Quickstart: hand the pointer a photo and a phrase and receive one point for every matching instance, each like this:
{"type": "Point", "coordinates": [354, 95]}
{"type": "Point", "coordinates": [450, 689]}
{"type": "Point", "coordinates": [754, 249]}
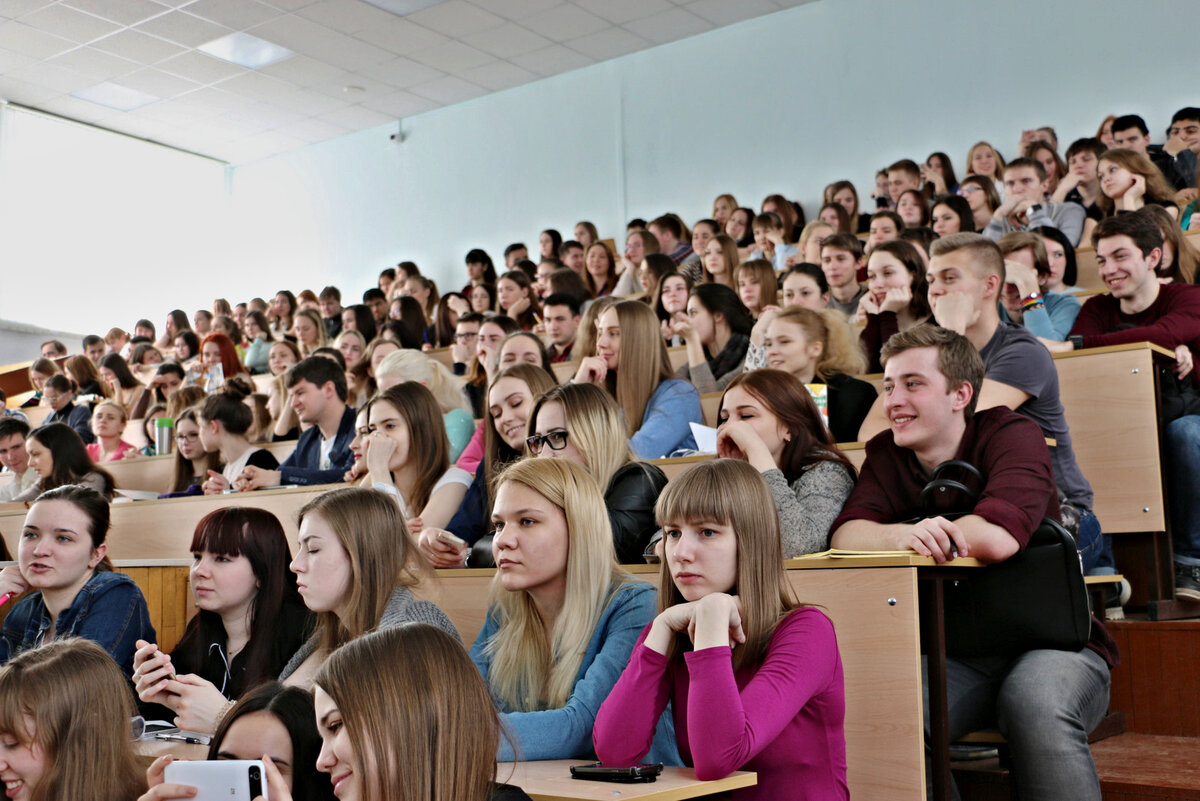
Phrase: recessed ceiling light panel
{"type": "Point", "coordinates": [246, 50]}
{"type": "Point", "coordinates": [112, 95]}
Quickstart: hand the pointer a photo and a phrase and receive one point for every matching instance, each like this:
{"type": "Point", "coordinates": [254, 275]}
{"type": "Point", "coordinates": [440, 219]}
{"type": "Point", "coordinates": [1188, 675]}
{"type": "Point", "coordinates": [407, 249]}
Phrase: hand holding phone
{"type": "Point", "coordinates": [221, 780]}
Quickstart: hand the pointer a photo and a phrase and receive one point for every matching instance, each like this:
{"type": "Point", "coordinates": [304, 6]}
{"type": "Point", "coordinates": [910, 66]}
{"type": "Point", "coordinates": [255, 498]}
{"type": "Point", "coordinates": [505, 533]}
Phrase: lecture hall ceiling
{"type": "Point", "coordinates": [145, 64]}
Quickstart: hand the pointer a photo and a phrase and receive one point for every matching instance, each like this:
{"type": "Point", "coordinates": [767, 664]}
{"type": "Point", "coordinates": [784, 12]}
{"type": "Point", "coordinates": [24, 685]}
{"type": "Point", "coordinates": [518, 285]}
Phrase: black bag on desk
{"type": "Point", "coordinates": [1034, 599]}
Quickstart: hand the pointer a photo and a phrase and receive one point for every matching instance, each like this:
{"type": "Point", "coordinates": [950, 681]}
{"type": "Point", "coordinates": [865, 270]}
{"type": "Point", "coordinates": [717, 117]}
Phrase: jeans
{"type": "Point", "coordinates": [1183, 483]}
{"type": "Point", "coordinates": [1044, 703]}
{"type": "Point", "coordinates": [1095, 546]}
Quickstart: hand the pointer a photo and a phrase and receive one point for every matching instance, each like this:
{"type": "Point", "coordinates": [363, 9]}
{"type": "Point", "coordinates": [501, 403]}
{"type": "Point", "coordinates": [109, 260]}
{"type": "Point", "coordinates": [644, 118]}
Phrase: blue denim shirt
{"type": "Point", "coordinates": [110, 611]}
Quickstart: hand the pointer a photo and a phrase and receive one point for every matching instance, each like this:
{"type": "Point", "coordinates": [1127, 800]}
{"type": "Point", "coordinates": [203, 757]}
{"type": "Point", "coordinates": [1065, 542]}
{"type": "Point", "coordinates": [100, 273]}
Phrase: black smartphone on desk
{"type": "Point", "coordinates": [597, 772]}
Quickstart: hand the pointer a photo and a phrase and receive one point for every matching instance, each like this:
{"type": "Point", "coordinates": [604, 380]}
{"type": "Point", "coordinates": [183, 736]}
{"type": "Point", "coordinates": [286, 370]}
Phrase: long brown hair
{"type": "Point", "coordinates": [428, 446]}
{"type": "Point", "coordinates": [183, 469]}
{"type": "Point", "coordinates": [790, 401]}
{"type": "Point", "coordinates": [83, 372]}
{"type": "Point", "coordinates": [642, 363]}
{"type": "Point", "coordinates": [496, 453]}
{"type": "Point", "coordinates": [424, 723]}
{"type": "Point", "coordinates": [1157, 188]}
{"type": "Point", "coordinates": [79, 704]}
{"type": "Point", "coordinates": [732, 493]}
{"type": "Point", "coordinates": [1187, 258]}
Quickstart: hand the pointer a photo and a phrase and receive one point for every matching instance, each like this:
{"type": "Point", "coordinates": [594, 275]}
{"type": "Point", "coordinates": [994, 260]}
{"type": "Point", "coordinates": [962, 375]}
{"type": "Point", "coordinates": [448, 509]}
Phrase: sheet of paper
{"type": "Point", "coordinates": [706, 438]}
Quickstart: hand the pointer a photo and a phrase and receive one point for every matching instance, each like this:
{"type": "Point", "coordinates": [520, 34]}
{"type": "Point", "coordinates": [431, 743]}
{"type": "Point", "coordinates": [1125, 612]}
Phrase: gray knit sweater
{"type": "Point", "coordinates": [401, 608]}
{"type": "Point", "coordinates": [809, 506]}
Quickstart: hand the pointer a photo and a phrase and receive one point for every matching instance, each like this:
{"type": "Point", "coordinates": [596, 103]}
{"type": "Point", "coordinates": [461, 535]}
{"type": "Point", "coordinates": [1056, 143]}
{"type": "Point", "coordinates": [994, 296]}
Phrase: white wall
{"type": "Point", "coordinates": [782, 103]}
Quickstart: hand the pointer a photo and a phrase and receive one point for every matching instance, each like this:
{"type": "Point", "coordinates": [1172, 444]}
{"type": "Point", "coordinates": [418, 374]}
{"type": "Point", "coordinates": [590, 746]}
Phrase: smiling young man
{"type": "Point", "coordinates": [1137, 308]}
{"type": "Point", "coordinates": [1044, 701]}
{"type": "Point", "coordinates": [14, 457]}
{"type": "Point", "coordinates": [317, 393]}
{"type": "Point", "coordinates": [1025, 206]}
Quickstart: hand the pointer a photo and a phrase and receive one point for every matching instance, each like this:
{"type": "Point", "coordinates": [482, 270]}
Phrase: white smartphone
{"type": "Point", "coordinates": [222, 779]}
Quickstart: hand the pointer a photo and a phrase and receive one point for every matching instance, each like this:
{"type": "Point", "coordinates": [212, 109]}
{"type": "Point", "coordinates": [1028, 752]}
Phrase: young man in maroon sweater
{"type": "Point", "coordinates": [1138, 308]}
{"type": "Point", "coordinates": [1044, 701]}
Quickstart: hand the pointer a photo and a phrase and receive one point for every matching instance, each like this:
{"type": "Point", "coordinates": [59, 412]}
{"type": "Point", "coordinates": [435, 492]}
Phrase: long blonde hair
{"type": "Point", "coordinates": [642, 363]}
{"type": "Point", "coordinates": [532, 668]}
{"type": "Point", "coordinates": [841, 353]}
{"type": "Point", "coordinates": [594, 424]}
{"type": "Point", "coordinates": [732, 493]}
{"type": "Point", "coordinates": [413, 365]}
{"type": "Point", "coordinates": [80, 706]}
{"type": "Point", "coordinates": [425, 715]}
{"type": "Point", "coordinates": [371, 530]}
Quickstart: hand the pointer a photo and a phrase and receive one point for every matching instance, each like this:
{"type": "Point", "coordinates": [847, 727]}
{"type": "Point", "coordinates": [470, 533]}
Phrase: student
{"type": "Point", "coordinates": [14, 458]}
{"type": "Point", "coordinates": [202, 322]}
{"type": "Point", "coordinates": [631, 363]}
{"type": "Point", "coordinates": [358, 317]}
{"type": "Point", "coordinates": [639, 243]}
{"type": "Point", "coordinates": [817, 346]}
{"type": "Point", "coordinates": [651, 270]}
{"type": "Point", "coordinates": [82, 371]}
{"type": "Point", "coordinates": [937, 176]}
{"type": "Point", "coordinates": [407, 365]}
{"type": "Point", "coordinates": [1045, 701]}
{"type": "Point", "coordinates": [1180, 258]}
{"type": "Point", "coordinates": [223, 420]}
{"type": "Point", "coordinates": [670, 299]}
{"type": "Point", "coordinates": [768, 419]}
{"type": "Point", "coordinates": [716, 330]}
{"type": "Point", "coordinates": [776, 704]}
{"type": "Point", "coordinates": [271, 719]}
{"type": "Point", "coordinates": [1025, 205]}
{"type": "Point", "coordinates": [757, 285]}
{"type": "Point", "coordinates": [790, 213]}
{"type": "Point", "coordinates": [1081, 184]}
{"type": "Point", "coordinates": [257, 331]}
{"type": "Point", "coordinates": [845, 195]}
{"type": "Point", "coordinates": [75, 593]}
{"type": "Point", "coordinates": [177, 322]}
{"type": "Point", "coordinates": [720, 261]}
{"type": "Point", "coordinates": [59, 457]}
{"type": "Point", "coordinates": [523, 346]}
{"type": "Point", "coordinates": [52, 748]}
{"type": "Point", "coordinates": [505, 425]}
{"type": "Point", "coordinates": [1060, 256]}
{"type": "Point", "coordinates": [283, 355]}
{"type": "Point", "coordinates": [407, 455]}
{"type": "Point", "coordinates": [355, 569]}
{"type": "Point", "coordinates": [517, 298]}
{"type": "Point", "coordinates": [901, 177]}
{"type": "Point", "coordinates": [480, 270]}
{"type": "Point", "coordinates": [148, 427]}
{"type": "Point", "coordinates": [250, 621]}
{"type": "Point", "coordinates": [581, 423]}
{"type": "Point", "coordinates": [492, 331]}
{"type": "Point", "coordinates": [331, 311]}
{"type": "Point", "coordinates": [1045, 154]}
{"type": "Point", "coordinates": [168, 378]}
{"type": "Point", "coordinates": [951, 215]}
{"type": "Point", "coordinates": [192, 464]}
{"type": "Point", "coordinates": [1048, 315]}
{"type": "Point", "coordinates": [771, 237]}
{"type": "Point", "coordinates": [586, 233]}
{"type": "Point", "coordinates": [1178, 167]}
{"type": "Point", "coordinates": [981, 195]}
{"type": "Point", "coordinates": [841, 259]}
{"type": "Point", "coordinates": [740, 229]}
{"type": "Point", "coordinates": [805, 285]}
{"type": "Point", "coordinates": [984, 160]}
{"type": "Point", "coordinates": [562, 615]}
{"type": "Point", "coordinates": [186, 348]}
{"type": "Point", "coordinates": [317, 393]}
{"type": "Point", "coordinates": [39, 371]}
{"type": "Point", "coordinates": [895, 299]}
{"type": "Point", "coordinates": [309, 331]}
{"type": "Point", "coordinates": [1128, 181]}
{"type": "Point", "coordinates": [913, 209]}
{"type": "Point", "coordinates": [1138, 308]}
{"type": "Point", "coordinates": [669, 233]}
{"type": "Point", "coordinates": [561, 315]}
{"type": "Point", "coordinates": [108, 424]}
{"type": "Point", "coordinates": [123, 387]}
{"type": "Point", "coordinates": [834, 215]}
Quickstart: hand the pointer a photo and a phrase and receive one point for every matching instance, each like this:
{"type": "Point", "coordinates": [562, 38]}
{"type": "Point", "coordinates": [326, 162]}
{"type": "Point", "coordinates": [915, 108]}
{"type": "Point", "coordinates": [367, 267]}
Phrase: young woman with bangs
{"type": "Point", "coordinates": [952, 214]}
{"type": "Point", "coordinates": [480, 270]}
{"type": "Point", "coordinates": [249, 624]}
{"type": "Point", "coordinates": [757, 286]}
{"type": "Point", "coordinates": [562, 615]}
{"type": "Point", "coordinates": [631, 362]}
{"type": "Point", "coordinates": [896, 298]}
{"type": "Point", "coordinates": [985, 160]}
{"type": "Point", "coordinates": [768, 419]}
{"type": "Point", "coordinates": [39, 371]}
{"type": "Point", "coordinates": [720, 259]}
{"type": "Point", "coordinates": [581, 423]}
{"type": "Point", "coordinates": [754, 677]}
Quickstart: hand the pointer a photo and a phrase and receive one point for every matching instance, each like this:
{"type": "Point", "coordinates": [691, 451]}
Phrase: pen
{"type": "Point", "coordinates": [5, 598]}
{"type": "Point", "coordinates": [183, 738]}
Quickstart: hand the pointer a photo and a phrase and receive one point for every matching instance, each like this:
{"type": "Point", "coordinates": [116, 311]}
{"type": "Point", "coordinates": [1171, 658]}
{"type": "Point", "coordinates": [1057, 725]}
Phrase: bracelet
{"type": "Point", "coordinates": [1033, 301]}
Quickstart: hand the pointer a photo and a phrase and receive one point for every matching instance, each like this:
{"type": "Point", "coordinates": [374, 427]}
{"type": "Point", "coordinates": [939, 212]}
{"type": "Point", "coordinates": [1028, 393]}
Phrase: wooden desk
{"type": "Point", "coordinates": [154, 472]}
{"type": "Point", "coordinates": [551, 781]}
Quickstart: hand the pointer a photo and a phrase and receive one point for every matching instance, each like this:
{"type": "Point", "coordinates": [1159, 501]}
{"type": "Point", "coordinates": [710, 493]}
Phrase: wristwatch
{"type": "Point", "coordinates": [1035, 208]}
{"type": "Point", "coordinates": [1076, 341]}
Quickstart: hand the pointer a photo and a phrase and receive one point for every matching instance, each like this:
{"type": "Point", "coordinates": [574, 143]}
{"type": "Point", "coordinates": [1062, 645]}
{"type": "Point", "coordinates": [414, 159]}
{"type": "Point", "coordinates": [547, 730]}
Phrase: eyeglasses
{"type": "Point", "coordinates": [963, 191]}
{"type": "Point", "coordinates": [466, 337]}
{"type": "Point", "coordinates": [557, 440]}
{"type": "Point", "coordinates": [186, 437]}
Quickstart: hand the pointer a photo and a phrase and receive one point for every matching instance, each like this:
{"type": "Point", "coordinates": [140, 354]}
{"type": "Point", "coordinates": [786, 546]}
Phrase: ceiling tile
{"type": "Point", "coordinates": [401, 36]}
{"type": "Point", "coordinates": [76, 109]}
{"type": "Point", "coordinates": [346, 16]}
{"type": "Point", "coordinates": [349, 54]}
{"type": "Point", "coordinates": [210, 101]}
{"type": "Point", "coordinates": [507, 41]}
{"type": "Point", "coordinates": [314, 130]}
{"type": "Point", "coordinates": [183, 28]}
{"type": "Point", "coordinates": [449, 90]}
{"type": "Point", "coordinates": [609, 43]}
{"type": "Point", "coordinates": [456, 18]}
{"type": "Point", "coordinates": [53, 76]}
{"type": "Point", "coordinates": [499, 75]}
{"type": "Point", "coordinates": [201, 68]}
{"type": "Point", "coordinates": [126, 12]}
{"type": "Point", "coordinates": [94, 62]}
{"type": "Point", "coordinates": [618, 12]}
{"type": "Point", "coordinates": [256, 86]}
{"type": "Point", "coordinates": [11, 62]}
{"type": "Point", "coordinates": [552, 60]}
{"type": "Point", "coordinates": [138, 46]}
{"type": "Point", "coordinates": [453, 56]}
{"type": "Point", "coordinates": [669, 26]}
{"type": "Point", "coordinates": [309, 104]}
{"type": "Point", "coordinates": [402, 73]}
{"type": "Point", "coordinates": [303, 71]}
{"type": "Point", "coordinates": [291, 5]}
{"type": "Point", "coordinates": [516, 9]}
{"type": "Point", "coordinates": [720, 12]}
{"type": "Point", "coordinates": [31, 42]}
{"type": "Point", "coordinates": [294, 33]}
{"type": "Point", "coordinates": [266, 115]}
{"type": "Point", "coordinates": [236, 14]}
{"type": "Point", "coordinates": [23, 92]}
{"type": "Point", "coordinates": [400, 105]}
{"type": "Point", "coordinates": [12, 9]}
{"type": "Point", "coordinates": [70, 24]}
{"type": "Point", "coordinates": [564, 22]}
{"type": "Point", "coordinates": [356, 118]}
{"type": "Point", "coordinates": [365, 89]}
{"type": "Point", "coordinates": [157, 83]}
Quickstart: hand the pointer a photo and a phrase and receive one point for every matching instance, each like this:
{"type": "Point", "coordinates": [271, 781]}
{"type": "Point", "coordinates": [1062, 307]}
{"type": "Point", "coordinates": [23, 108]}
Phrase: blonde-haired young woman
{"type": "Point", "coordinates": [755, 677]}
{"type": "Point", "coordinates": [581, 423]}
{"type": "Point", "coordinates": [64, 724]}
{"type": "Point", "coordinates": [631, 362]}
{"type": "Point", "coordinates": [355, 568]}
{"type": "Point", "coordinates": [562, 617]}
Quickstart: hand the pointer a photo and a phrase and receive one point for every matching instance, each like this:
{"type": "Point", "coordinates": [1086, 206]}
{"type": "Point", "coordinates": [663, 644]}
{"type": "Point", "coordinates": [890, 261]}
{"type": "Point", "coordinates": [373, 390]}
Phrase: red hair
{"type": "Point", "coordinates": [230, 363]}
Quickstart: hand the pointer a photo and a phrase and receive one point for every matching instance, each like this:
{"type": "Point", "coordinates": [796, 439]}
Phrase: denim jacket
{"type": "Point", "coordinates": [110, 611]}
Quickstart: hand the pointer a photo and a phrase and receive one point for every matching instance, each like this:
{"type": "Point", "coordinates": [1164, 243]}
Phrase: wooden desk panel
{"type": "Point", "coordinates": [551, 780]}
{"type": "Point", "coordinates": [153, 473]}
